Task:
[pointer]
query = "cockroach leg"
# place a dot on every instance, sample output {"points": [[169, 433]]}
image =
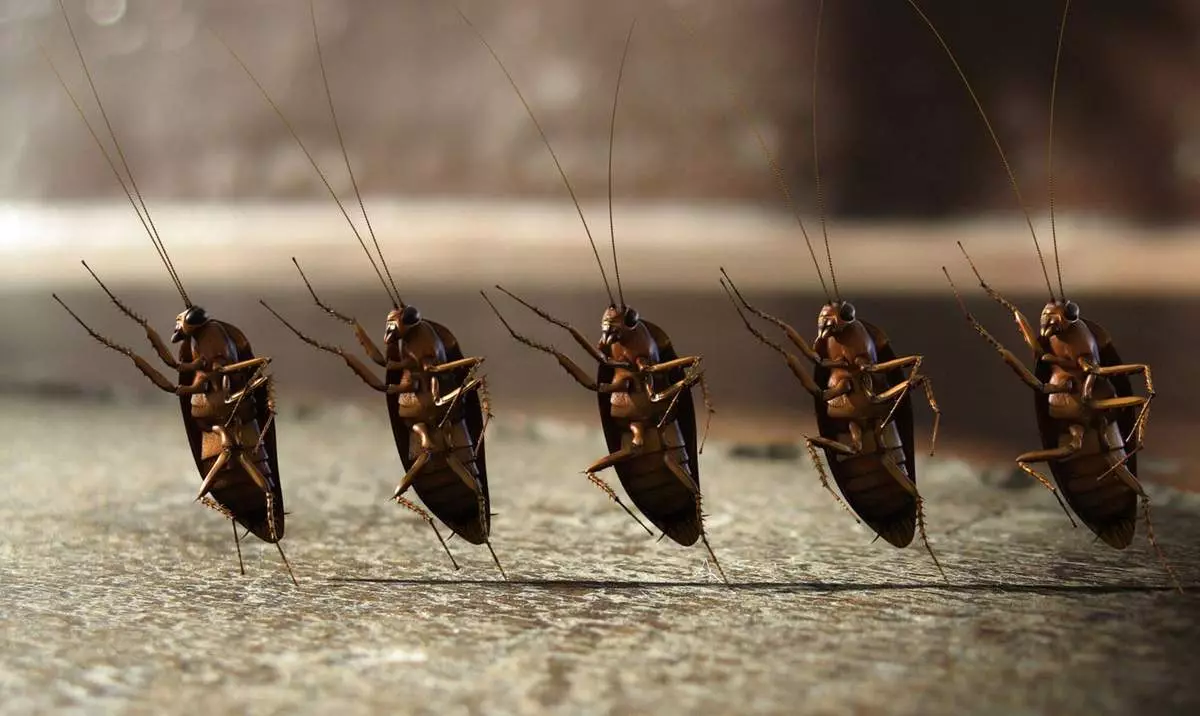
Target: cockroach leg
{"points": [[798, 369], [354, 363], [792, 334], [914, 379], [1025, 461], [252, 470], [364, 339], [677, 469], [238, 544], [568, 365], [407, 480], [1027, 333], [811, 444], [592, 350], [496, 559], [160, 347], [925, 537], [709, 410], [1154, 543], [910, 487], [1010, 359], [206, 486], [609, 461], [143, 365], [425, 516]]}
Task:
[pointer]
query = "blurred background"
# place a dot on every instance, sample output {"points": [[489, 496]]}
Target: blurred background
{"points": [[462, 193]]}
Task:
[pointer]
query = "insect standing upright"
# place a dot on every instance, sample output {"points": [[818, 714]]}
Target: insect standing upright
{"points": [[229, 417], [1091, 424], [863, 409], [643, 386], [436, 402]]}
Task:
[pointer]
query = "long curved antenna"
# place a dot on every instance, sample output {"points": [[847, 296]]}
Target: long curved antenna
{"points": [[292, 130], [546, 141], [1062, 31], [612, 136], [1012, 178], [312, 12], [776, 170], [816, 158], [143, 212]]}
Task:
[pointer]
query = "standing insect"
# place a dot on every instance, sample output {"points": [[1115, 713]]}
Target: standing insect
{"points": [[229, 417], [643, 386], [436, 402], [864, 413], [1091, 424]]}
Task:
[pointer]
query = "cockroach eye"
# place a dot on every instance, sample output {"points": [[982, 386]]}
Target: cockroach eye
{"points": [[846, 312], [631, 318], [195, 316], [1071, 310], [411, 316]]}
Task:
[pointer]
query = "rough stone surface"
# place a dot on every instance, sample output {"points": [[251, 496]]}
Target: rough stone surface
{"points": [[121, 595]]}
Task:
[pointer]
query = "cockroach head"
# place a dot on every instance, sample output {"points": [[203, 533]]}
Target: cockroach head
{"points": [[1058, 316], [617, 322], [834, 317], [399, 321], [188, 322]]}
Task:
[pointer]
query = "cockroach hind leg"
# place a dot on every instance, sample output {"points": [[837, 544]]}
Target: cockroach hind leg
{"points": [[496, 560], [286, 563], [237, 543], [925, 538], [1162, 557], [716, 562]]}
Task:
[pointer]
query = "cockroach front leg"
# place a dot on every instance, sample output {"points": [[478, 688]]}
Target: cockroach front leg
{"points": [[1027, 332], [142, 364], [793, 335], [364, 339], [1011, 360], [354, 363], [568, 365], [798, 369], [588, 346], [1026, 460], [160, 346]]}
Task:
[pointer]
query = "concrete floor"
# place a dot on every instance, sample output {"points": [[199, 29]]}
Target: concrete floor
{"points": [[120, 595]]}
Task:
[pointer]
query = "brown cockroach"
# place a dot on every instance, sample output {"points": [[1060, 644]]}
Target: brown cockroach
{"points": [[225, 394], [643, 386], [863, 408], [436, 402], [1091, 424]]}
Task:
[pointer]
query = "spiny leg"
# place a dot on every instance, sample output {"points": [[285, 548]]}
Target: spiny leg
{"points": [[1023, 326], [142, 364], [261, 481], [472, 483], [811, 444], [677, 469], [155, 340], [911, 488], [496, 559], [425, 516], [1154, 543], [708, 407], [1011, 360], [568, 365], [792, 334], [592, 350], [364, 339], [609, 461], [798, 369], [1024, 461]]}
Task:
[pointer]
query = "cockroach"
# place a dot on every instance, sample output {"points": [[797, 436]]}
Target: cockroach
{"points": [[643, 386], [436, 401], [225, 393], [1091, 424], [863, 408]]}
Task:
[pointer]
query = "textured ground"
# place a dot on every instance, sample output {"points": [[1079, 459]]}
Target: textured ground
{"points": [[120, 595]]}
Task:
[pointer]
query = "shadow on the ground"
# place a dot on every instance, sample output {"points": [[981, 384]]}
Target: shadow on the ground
{"points": [[553, 584]]}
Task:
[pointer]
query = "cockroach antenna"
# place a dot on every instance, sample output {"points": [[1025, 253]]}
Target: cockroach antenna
{"points": [[139, 204], [816, 145], [546, 141], [312, 12], [1062, 31], [1012, 177], [394, 299], [612, 135]]}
